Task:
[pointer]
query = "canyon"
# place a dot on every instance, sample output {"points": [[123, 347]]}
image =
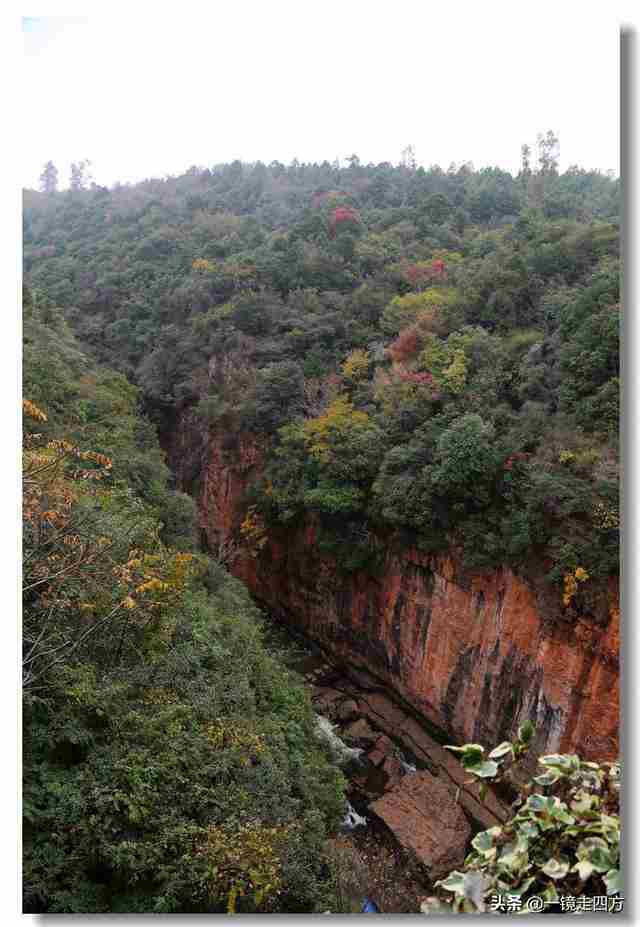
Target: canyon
{"points": [[473, 655]]}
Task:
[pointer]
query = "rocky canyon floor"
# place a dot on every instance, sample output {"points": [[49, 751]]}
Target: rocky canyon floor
{"points": [[411, 811]]}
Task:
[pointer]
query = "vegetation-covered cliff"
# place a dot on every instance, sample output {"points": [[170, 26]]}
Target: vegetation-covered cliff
{"points": [[476, 653], [170, 761]]}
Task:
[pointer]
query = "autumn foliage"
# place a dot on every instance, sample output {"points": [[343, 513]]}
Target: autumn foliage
{"points": [[72, 565], [418, 378], [342, 216], [323, 433], [356, 366], [406, 345], [162, 742], [424, 273]]}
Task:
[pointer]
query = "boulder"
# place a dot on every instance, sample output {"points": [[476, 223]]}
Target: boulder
{"points": [[325, 701], [427, 821], [360, 731], [393, 768], [347, 710], [388, 716], [382, 748]]}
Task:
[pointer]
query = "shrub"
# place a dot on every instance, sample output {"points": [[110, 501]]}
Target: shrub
{"points": [[564, 839]]}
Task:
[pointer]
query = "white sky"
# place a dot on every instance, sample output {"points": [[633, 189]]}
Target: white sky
{"points": [[153, 94]]}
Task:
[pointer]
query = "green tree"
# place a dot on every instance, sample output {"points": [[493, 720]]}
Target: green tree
{"points": [[49, 178], [465, 459], [548, 153], [170, 760], [79, 175], [279, 394]]}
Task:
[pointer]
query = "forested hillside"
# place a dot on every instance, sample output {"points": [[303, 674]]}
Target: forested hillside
{"points": [[170, 760], [426, 355]]}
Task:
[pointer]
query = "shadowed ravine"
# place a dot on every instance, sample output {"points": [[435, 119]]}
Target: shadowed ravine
{"points": [[403, 661], [474, 655]]}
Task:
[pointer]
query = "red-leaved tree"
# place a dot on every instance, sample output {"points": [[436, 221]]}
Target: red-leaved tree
{"points": [[422, 274], [406, 345], [340, 216]]}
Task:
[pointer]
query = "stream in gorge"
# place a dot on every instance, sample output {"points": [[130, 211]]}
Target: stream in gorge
{"points": [[411, 809], [368, 859]]}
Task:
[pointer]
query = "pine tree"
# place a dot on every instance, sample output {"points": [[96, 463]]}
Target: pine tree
{"points": [[49, 178], [548, 153], [408, 159], [80, 175]]}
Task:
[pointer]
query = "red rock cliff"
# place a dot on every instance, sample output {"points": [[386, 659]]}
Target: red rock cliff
{"points": [[474, 655]]}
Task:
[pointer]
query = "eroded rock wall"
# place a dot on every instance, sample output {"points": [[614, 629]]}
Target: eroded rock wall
{"points": [[475, 656]]}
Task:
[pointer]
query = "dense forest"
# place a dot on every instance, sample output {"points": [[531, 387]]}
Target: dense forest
{"points": [[426, 356], [170, 762], [425, 352]]}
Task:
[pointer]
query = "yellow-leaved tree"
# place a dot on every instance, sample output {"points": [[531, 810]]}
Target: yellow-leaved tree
{"points": [[324, 434], [356, 366], [86, 575]]}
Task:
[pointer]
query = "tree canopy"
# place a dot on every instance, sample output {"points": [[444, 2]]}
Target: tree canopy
{"points": [[262, 294]]}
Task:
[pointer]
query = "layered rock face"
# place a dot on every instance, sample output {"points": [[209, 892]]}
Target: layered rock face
{"points": [[475, 658], [474, 655]]}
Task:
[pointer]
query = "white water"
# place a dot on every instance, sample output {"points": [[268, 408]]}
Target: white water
{"points": [[352, 819], [407, 767], [338, 747], [342, 755]]}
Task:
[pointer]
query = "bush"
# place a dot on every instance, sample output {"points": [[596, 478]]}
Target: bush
{"points": [[170, 760]]}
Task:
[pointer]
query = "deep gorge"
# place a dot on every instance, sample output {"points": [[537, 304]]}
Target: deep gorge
{"points": [[473, 655], [410, 657], [348, 495]]}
